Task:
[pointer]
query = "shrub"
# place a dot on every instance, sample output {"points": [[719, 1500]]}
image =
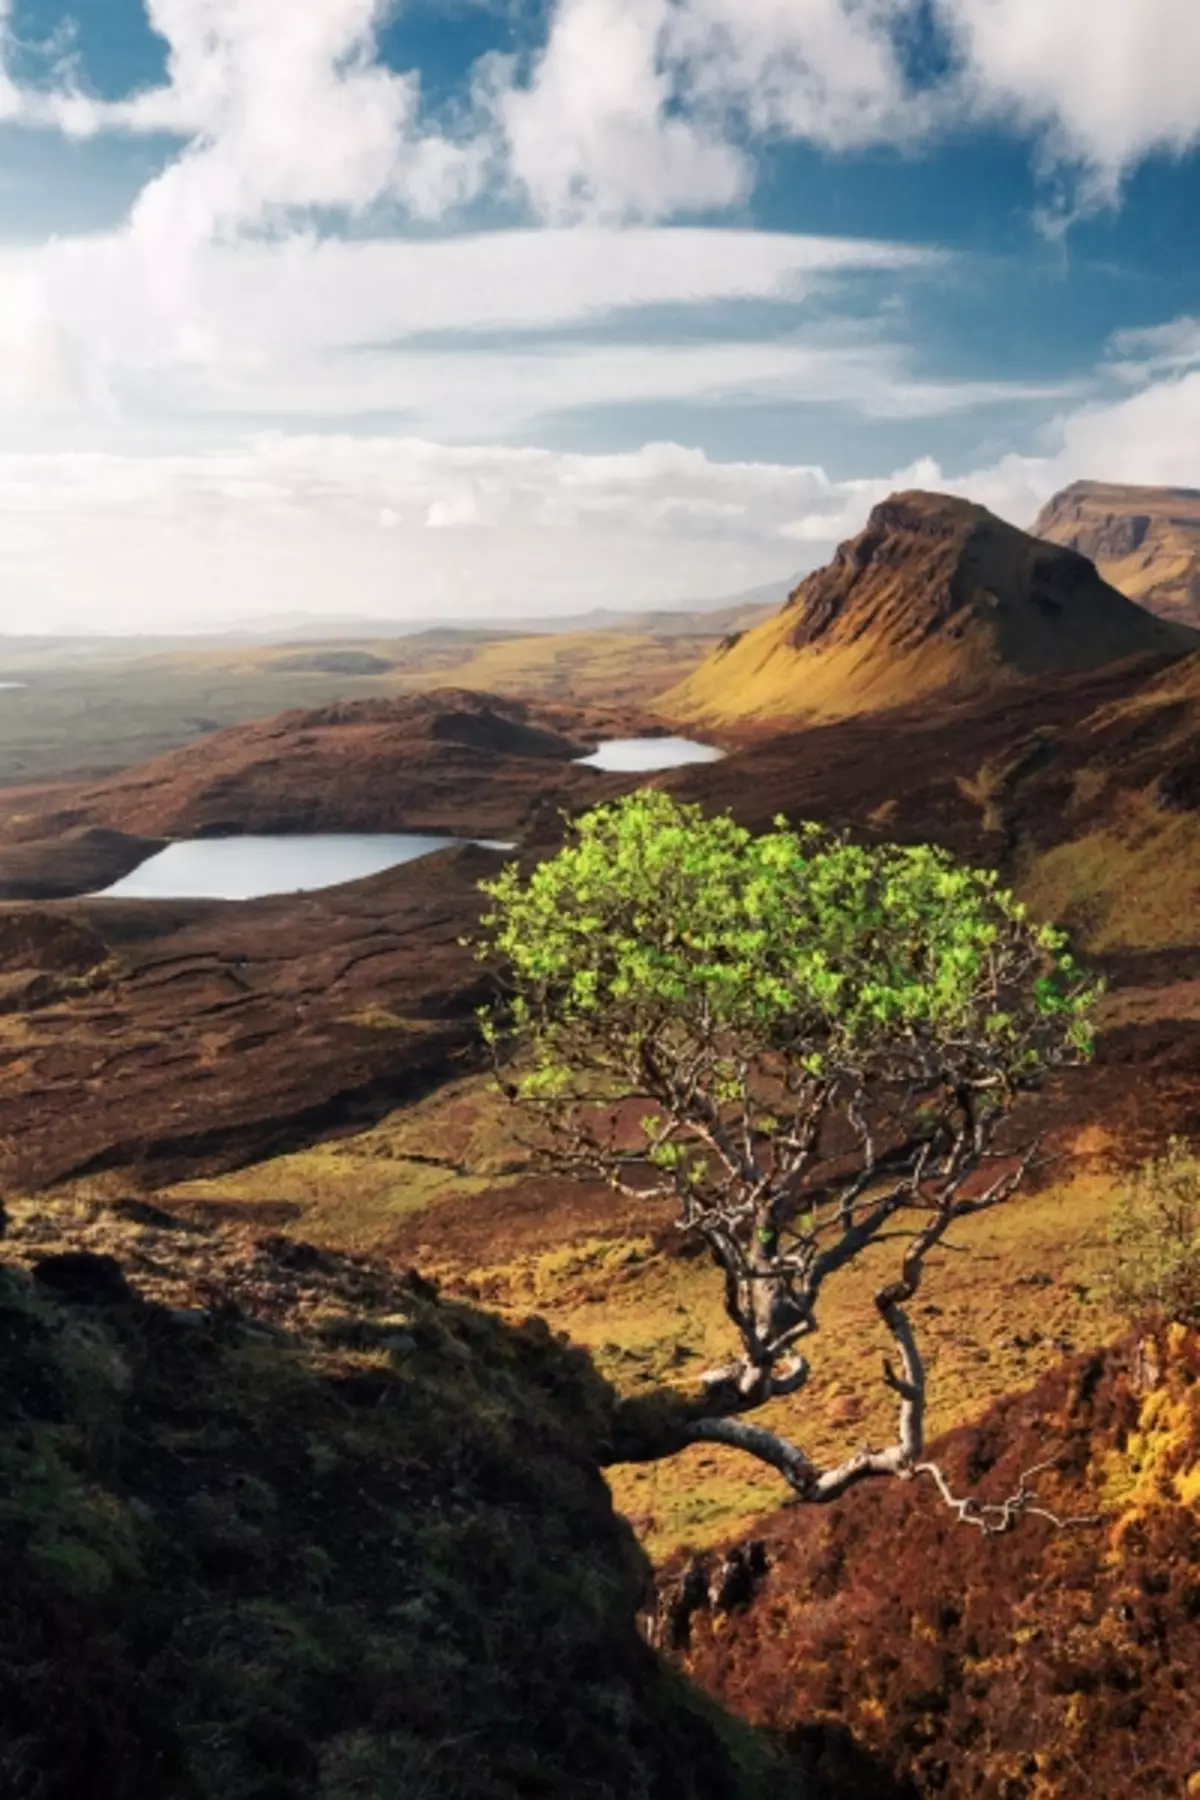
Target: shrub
{"points": [[1155, 1238]]}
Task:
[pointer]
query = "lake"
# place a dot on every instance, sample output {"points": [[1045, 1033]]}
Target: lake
{"points": [[635, 756], [247, 868]]}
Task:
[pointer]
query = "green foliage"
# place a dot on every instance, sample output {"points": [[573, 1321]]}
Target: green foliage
{"points": [[795, 942], [1155, 1238]]}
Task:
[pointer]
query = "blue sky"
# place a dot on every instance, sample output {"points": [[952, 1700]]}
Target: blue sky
{"points": [[463, 307]]}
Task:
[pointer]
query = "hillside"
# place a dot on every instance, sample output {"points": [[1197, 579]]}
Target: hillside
{"points": [[935, 596], [110, 706], [1084, 791], [1144, 540], [451, 761], [278, 1525], [1040, 1664]]}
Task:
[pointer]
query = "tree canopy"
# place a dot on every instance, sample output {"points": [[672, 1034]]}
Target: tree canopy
{"points": [[801, 1040]]}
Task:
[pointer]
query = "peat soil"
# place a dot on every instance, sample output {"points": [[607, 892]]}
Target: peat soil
{"points": [[175, 1038]]}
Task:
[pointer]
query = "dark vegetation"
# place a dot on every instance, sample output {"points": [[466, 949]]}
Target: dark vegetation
{"points": [[277, 1523]]}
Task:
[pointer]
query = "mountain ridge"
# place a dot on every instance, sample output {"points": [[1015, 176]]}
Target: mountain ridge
{"points": [[936, 594]]}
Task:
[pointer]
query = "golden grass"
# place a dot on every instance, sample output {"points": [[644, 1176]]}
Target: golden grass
{"points": [[351, 1192], [1133, 884], [998, 1308], [763, 677]]}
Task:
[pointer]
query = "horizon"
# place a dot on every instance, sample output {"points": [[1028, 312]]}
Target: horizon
{"points": [[466, 312]]}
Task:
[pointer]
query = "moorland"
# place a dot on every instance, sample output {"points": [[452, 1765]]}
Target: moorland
{"points": [[277, 1250]]}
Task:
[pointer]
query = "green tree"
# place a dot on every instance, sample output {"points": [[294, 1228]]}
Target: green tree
{"points": [[811, 1047]]}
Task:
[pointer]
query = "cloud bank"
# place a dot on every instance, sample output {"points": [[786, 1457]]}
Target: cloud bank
{"points": [[310, 253]]}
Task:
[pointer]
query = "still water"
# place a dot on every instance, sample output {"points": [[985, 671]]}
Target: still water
{"points": [[246, 868], [634, 756]]}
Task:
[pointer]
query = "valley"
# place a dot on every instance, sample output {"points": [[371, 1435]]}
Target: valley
{"points": [[282, 1104]]}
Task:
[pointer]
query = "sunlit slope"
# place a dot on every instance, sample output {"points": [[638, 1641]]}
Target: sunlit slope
{"points": [[1144, 540], [936, 595]]}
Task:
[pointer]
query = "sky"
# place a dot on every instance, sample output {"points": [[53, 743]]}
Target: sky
{"points": [[451, 309]]}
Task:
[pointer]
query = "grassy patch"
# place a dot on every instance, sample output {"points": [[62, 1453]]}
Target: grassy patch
{"points": [[1131, 885]]}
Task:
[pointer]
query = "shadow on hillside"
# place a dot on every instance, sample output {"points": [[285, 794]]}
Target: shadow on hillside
{"points": [[832, 1763]]}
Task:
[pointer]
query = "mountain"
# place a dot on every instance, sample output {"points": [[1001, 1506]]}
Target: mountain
{"points": [[935, 595], [1144, 540]]}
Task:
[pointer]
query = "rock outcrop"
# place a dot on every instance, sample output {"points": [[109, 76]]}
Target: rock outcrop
{"points": [[278, 1523], [1144, 540]]}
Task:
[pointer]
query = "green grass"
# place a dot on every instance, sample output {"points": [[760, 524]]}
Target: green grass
{"points": [[1132, 885]]}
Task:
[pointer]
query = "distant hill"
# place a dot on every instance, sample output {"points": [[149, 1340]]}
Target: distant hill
{"points": [[1144, 540], [936, 595]]}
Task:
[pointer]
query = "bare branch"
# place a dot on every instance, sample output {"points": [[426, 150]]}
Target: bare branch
{"points": [[993, 1517]]}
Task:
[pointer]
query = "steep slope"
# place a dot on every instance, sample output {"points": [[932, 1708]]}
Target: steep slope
{"points": [[277, 1525], [936, 595], [1084, 790], [1043, 1665], [1144, 540]]}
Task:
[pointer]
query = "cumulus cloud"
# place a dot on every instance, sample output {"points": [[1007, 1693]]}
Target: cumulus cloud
{"points": [[648, 107], [1109, 80], [628, 109], [283, 107]]}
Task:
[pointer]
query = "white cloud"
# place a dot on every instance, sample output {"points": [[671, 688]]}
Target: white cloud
{"points": [[1155, 349], [282, 106], [640, 108], [380, 526], [630, 109], [91, 329], [592, 133], [1110, 80], [645, 108]]}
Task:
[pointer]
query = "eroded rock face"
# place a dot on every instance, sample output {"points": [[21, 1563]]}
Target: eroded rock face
{"points": [[1144, 540]]}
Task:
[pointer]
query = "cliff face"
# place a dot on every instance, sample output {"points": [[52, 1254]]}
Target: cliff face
{"points": [[935, 596], [278, 1525], [1144, 540]]}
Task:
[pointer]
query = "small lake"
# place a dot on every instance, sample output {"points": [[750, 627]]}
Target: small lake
{"points": [[247, 868], [635, 756]]}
